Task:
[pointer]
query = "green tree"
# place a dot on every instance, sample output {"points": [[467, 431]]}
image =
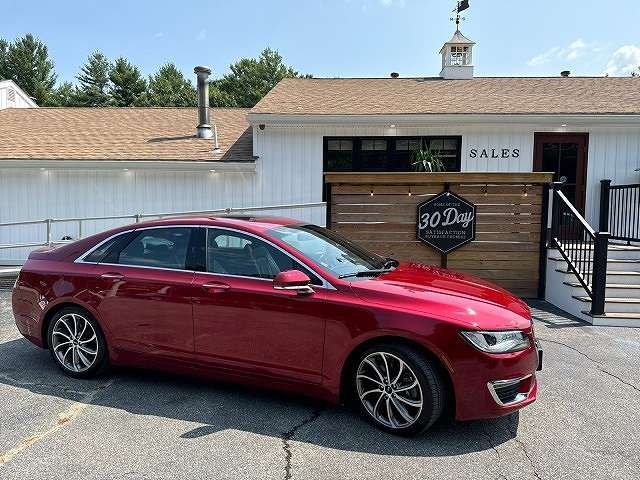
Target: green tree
{"points": [[251, 79], [636, 73], [4, 45], [218, 98], [27, 63], [64, 95], [93, 88], [169, 88], [127, 84]]}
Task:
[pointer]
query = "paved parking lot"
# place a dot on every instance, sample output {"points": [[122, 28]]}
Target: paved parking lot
{"points": [[143, 425]]}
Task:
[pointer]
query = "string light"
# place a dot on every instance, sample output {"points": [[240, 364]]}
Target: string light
{"points": [[371, 193]]}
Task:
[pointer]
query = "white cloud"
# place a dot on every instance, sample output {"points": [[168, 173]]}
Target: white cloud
{"points": [[202, 34], [623, 61], [391, 3], [573, 51], [158, 35]]}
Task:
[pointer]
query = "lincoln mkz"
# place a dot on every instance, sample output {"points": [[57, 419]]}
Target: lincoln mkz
{"points": [[273, 303]]}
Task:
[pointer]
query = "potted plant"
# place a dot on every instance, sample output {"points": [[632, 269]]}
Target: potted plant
{"points": [[426, 160]]}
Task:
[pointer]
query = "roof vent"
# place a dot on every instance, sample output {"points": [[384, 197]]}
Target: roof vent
{"points": [[204, 128], [565, 73], [395, 74]]}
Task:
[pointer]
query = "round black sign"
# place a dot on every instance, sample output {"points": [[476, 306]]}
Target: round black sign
{"points": [[446, 222]]}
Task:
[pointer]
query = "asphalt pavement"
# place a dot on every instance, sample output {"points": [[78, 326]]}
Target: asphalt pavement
{"points": [[133, 424]]}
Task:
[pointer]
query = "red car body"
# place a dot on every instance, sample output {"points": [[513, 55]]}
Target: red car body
{"points": [[244, 330]]}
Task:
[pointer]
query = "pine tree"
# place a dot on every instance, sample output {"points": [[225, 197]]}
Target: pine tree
{"points": [[127, 84], [93, 88], [65, 95], [169, 88], [251, 79], [27, 63]]}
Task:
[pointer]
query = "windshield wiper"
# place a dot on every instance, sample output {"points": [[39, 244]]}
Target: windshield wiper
{"points": [[367, 273]]}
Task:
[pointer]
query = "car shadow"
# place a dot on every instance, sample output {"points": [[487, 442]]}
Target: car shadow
{"points": [[220, 406]]}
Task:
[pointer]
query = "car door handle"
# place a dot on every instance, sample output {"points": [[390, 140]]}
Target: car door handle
{"points": [[112, 276], [216, 286]]}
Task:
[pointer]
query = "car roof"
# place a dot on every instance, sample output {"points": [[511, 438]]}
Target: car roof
{"points": [[250, 223]]}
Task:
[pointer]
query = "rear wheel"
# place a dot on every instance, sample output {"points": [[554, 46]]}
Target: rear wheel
{"points": [[398, 389], [76, 343]]}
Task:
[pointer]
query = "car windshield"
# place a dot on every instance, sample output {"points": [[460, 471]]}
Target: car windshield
{"points": [[329, 250]]}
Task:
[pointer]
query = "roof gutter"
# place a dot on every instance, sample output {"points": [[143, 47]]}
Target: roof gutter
{"points": [[157, 165], [279, 119]]}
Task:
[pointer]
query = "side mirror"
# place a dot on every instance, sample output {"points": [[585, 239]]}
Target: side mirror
{"points": [[293, 280]]}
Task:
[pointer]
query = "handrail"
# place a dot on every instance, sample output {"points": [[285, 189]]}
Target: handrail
{"points": [[584, 249], [137, 218], [620, 210]]}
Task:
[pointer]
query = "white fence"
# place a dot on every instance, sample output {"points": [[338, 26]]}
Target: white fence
{"points": [[50, 231]]}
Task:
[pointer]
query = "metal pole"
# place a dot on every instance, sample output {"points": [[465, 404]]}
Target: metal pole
{"points": [[49, 233], [599, 279], [605, 186], [544, 243], [79, 229]]}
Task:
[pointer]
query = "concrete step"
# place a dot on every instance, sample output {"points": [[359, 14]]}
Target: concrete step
{"points": [[614, 290], [615, 319], [615, 305], [615, 264], [617, 277]]}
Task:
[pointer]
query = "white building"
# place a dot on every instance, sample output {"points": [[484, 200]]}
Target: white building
{"points": [[12, 96], [66, 162]]}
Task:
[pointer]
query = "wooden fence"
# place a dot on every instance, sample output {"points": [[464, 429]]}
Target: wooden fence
{"points": [[379, 211]]}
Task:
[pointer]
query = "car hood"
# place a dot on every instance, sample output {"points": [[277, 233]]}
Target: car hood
{"points": [[445, 294]]}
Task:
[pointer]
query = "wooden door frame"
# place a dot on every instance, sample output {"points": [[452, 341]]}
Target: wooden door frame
{"points": [[582, 139]]}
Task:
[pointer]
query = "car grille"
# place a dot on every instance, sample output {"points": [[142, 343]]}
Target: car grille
{"points": [[507, 392]]}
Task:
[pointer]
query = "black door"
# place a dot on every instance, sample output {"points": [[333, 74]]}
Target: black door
{"points": [[564, 154]]}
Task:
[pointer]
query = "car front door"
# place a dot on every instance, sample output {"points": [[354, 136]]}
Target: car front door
{"points": [[146, 289], [242, 322]]}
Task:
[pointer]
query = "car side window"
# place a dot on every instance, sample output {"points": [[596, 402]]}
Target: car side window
{"points": [[157, 247], [114, 244], [234, 253]]}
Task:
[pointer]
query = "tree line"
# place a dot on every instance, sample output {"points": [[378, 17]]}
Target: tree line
{"points": [[102, 82]]}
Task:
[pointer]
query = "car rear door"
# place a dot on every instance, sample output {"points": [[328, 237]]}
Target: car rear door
{"points": [[146, 289], [242, 322]]}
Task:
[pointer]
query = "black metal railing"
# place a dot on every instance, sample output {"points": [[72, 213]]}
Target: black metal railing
{"points": [[584, 249], [620, 211]]}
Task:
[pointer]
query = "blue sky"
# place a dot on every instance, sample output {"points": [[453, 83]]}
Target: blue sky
{"points": [[337, 37]]}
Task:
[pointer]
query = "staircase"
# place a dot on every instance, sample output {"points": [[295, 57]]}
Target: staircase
{"points": [[622, 291]]}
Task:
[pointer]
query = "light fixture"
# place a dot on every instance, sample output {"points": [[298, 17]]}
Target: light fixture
{"points": [[563, 125], [371, 193], [42, 169], [212, 171], [125, 169], [392, 126]]}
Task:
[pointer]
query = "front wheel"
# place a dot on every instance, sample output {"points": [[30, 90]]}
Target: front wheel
{"points": [[399, 390], [76, 343]]}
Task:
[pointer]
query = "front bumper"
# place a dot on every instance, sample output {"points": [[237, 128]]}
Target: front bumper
{"points": [[493, 385]]}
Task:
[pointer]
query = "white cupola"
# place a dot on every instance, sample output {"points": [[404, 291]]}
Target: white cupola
{"points": [[457, 61]]}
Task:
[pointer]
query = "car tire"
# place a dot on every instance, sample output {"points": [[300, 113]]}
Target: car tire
{"points": [[77, 344], [405, 402]]}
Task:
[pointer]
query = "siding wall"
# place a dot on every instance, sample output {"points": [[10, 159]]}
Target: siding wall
{"points": [[31, 194]]}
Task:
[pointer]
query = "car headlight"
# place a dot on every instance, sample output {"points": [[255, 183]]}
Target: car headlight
{"points": [[499, 341]]}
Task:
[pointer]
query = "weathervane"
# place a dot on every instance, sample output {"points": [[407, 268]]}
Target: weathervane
{"points": [[462, 5]]}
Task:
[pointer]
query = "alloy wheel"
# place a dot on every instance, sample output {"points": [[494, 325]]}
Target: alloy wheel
{"points": [[389, 390], [74, 342]]}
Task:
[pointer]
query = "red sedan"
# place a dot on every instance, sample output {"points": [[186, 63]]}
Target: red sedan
{"points": [[279, 304]]}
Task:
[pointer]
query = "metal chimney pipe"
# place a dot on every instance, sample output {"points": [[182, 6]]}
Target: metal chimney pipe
{"points": [[203, 129]]}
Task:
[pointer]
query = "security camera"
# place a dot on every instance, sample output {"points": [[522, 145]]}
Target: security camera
{"points": [[261, 126]]}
